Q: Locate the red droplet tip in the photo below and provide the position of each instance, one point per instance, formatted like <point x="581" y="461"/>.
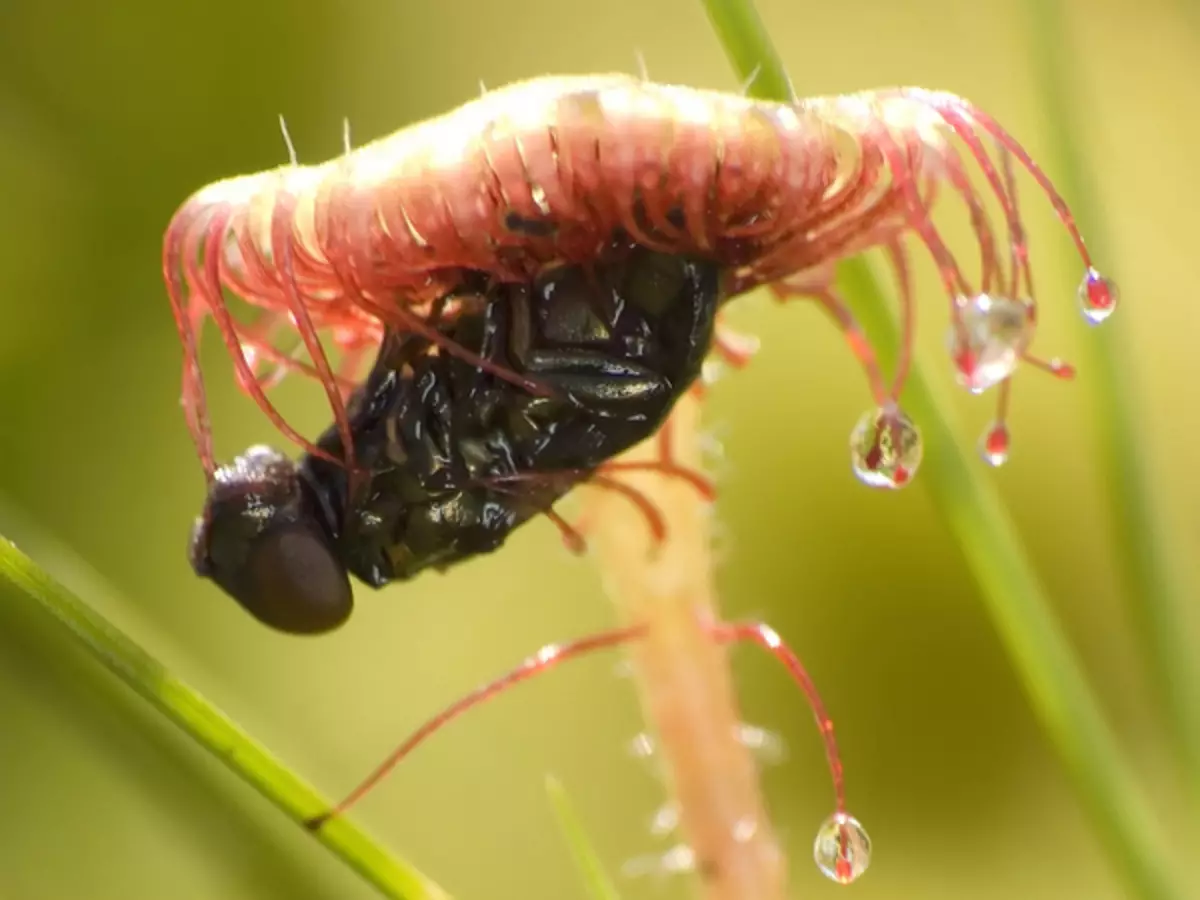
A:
<point x="1100" y="292"/>
<point x="1062" y="369"/>
<point x="1098" y="297"/>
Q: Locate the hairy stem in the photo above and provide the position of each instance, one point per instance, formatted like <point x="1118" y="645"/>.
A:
<point x="682" y="674"/>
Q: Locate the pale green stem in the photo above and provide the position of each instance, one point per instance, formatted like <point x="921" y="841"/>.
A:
<point x="1149" y="559"/>
<point x="587" y="860"/>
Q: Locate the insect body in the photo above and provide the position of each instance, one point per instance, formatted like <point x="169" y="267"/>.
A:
<point x="455" y="457"/>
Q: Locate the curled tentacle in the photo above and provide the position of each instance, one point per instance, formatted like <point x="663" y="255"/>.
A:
<point x="547" y="171"/>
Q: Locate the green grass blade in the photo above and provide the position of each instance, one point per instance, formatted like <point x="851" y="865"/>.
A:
<point x="1149" y="559"/>
<point x="22" y="580"/>
<point x="1016" y="601"/>
<point x="1014" y="597"/>
<point x="745" y="40"/>
<point x="599" y="885"/>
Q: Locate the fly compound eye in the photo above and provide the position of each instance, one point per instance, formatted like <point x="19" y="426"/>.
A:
<point x="290" y="580"/>
<point x="261" y="539"/>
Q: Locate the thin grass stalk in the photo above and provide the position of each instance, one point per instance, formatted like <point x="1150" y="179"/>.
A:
<point x="1148" y="558"/>
<point x="23" y="581"/>
<point x="1014" y="597"/>
<point x="1019" y="608"/>
<point x="587" y="860"/>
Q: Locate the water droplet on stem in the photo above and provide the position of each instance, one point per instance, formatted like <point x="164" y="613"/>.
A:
<point x="988" y="339"/>
<point x="842" y="849"/>
<point x="885" y="448"/>
<point x="1098" y="297"/>
<point x="994" y="445"/>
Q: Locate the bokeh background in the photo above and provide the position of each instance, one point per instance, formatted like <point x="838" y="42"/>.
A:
<point x="110" y="114"/>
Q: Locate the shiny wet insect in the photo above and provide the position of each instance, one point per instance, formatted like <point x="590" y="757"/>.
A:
<point x="430" y="248"/>
<point x="452" y="458"/>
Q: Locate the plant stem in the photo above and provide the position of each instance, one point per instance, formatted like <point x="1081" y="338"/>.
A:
<point x="1148" y="558"/>
<point x="1014" y="597"/>
<point x="745" y="40"/>
<point x="201" y="721"/>
<point x="682" y="674"/>
<point x="1021" y="613"/>
<point x="587" y="861"/>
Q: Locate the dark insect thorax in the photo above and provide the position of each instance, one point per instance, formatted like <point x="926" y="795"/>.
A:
<point x="457" y="457"/>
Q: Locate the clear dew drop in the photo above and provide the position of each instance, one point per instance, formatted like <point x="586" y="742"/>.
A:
<point x="711" y="371"/>
<point x="675" y="861"/>
<point x="987" y="342"/>
<point x="842" y="849"/>
<point x="885" y="448"/>
<point x="744" y="829"/>
<point x="1098" y="296"/>
<point x="680" y="858"/>
<point x="994" y="445"/>
<point x="665" y="820"/>
<point x="712" y="450"/>
<point x="642" y="746"/>
<point x="768" y="747"/>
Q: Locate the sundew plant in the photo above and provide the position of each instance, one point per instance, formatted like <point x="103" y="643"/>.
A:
<point x="996" y="616"/>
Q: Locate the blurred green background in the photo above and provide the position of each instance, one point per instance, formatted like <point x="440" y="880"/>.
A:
<point x="111" y="114"/>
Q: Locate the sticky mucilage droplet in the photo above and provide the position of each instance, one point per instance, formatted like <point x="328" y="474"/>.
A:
<point x="988" y="339"/>
<point x="885" y="448"/>
<point x="994" y="444"/>
<point x="842" y="849"/>
<point x="1098" y="297"/>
